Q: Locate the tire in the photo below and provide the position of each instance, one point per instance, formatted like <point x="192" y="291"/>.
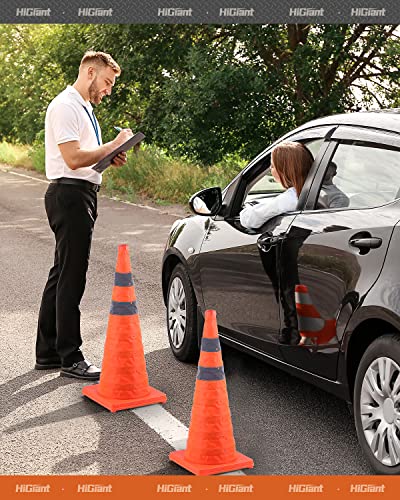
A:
<point x="182" y="306"/>
<point x="377" y="404"/>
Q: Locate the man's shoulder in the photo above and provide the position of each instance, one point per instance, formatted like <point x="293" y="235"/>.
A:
<point x="64" y="105"/>
<point x="64" y="98"/>
<point x="331" y="189"/>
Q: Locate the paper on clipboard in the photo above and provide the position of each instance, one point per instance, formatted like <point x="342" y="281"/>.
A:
<point x="126" y="146"/>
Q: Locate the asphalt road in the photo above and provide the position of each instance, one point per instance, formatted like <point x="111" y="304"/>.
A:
<point x="47" y="427"/>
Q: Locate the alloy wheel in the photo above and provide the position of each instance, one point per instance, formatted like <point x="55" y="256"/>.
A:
<point x="380" y="410"/>
<point x="177" y="313"/>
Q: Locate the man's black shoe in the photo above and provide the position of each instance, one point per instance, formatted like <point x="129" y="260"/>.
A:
<point x="47" y="363"/>
<point x="82" y="370"/>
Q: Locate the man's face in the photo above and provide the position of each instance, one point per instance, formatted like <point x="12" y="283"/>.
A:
<point x="101" y="84"/>
<point x="330" y="173"/>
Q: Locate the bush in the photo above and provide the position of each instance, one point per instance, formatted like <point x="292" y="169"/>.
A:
<point x="151" y="172"/>
<point x="15" y="154"/>
<point x="37" y="154"/>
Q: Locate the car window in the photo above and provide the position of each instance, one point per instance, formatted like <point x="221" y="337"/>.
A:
<point x="264" y="185"/>
<point x="360" y="176"/>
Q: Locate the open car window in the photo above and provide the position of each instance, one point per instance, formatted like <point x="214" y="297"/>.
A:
<point x="264" y="185"/>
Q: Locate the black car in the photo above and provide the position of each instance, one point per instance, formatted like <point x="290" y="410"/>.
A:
<point x="331" y="271"/>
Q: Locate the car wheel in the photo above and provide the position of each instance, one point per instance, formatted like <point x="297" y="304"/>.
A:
<point x="182" y="316"/>
<point x="377" y="404"/>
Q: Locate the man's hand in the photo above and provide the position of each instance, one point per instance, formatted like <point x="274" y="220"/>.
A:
<point x="119" y="160"/>
<point x="122" y="137"/>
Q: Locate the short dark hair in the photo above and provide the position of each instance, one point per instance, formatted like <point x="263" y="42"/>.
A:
<point x="102" y="59"/>
<point x="332" y="164"/>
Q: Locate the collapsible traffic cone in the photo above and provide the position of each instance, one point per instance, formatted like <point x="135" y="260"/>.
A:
<point x="311" y="326"/>
<point x="123" y="380"/>
<point x="211" y="446"/>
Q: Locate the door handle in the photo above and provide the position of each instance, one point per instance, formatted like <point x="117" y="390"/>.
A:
<point x="265" y="243"/>
<point x="366" y="243"/>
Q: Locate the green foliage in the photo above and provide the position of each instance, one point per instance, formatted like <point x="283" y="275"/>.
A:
<point x="15" y="154"/>
<point x="151" y="172"/>
<point x="37" y="154"/>
<point x="202" y="92"/>
<point x="37" y="65"/>
<point x="217" y="107"/>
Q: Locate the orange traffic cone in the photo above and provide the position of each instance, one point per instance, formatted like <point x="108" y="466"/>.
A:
<point x="211" y="447"/>
<point x="123" y="380"/>
<point x="311" y="326"/>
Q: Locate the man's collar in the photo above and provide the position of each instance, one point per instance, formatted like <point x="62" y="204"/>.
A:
<point x="82" y="101"/>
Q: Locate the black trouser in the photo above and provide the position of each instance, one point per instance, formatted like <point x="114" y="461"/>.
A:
<point x="71" y="211"/>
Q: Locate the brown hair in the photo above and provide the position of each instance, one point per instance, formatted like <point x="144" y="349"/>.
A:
<point x="292" y="161"/>
<point x="100" y="59"/>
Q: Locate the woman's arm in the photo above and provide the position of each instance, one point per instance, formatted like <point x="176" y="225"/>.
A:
<point x="255" y="215"/>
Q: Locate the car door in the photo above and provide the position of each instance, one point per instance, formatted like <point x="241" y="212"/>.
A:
<point x="238" y="278"/>
<point x="339" y="250"/>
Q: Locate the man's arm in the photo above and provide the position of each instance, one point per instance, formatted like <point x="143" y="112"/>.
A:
<point x="75" y="157"/>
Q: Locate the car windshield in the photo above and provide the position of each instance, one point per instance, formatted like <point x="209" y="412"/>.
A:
<point x="266" y="185"/>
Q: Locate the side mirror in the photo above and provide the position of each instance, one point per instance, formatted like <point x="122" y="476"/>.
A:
<point x="207" y="201"/>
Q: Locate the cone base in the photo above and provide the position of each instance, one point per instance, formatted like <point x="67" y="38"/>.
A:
<point x="240" y="462"/>
<point x="154" y="396"/>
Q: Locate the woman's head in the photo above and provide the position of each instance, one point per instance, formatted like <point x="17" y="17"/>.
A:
<point x="291" y="162"/>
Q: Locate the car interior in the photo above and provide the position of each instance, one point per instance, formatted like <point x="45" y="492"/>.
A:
<point x="264" y="185"/>
<point x="351" y="179"/>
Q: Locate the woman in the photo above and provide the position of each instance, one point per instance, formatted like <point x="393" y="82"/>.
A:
<point x="290" y="164"/>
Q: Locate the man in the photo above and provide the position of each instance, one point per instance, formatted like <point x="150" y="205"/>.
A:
<point x="73" y="144"/>
<point x="331" y="196"/>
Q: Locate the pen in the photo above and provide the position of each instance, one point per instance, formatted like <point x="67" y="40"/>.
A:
<point x="118" y="128"/>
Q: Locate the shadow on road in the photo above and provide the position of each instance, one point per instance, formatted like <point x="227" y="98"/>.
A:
<point x="287" y="426"/>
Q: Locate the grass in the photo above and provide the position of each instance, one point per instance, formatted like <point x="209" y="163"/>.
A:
<point x="16" y="155"/>
<point x="150" y="173"/>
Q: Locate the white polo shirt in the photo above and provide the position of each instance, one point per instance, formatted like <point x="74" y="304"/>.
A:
<point x="66" y="120"/>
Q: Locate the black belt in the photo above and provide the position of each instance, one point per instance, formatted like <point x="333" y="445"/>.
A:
<point x="78" y="182"/>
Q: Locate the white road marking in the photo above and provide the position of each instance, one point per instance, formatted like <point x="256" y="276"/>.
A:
<point x="114" y="198"/>
<point x="156" y="417"/>
<point x="165" y="424"/>
<point x="169" y="428"/>
<point x="26" y="176"/>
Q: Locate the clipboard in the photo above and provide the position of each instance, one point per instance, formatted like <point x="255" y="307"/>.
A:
<point x="126" y="146"/>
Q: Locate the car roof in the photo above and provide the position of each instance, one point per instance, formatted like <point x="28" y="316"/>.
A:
<point x="381" y="119"/>
<point x="385" y="119"/>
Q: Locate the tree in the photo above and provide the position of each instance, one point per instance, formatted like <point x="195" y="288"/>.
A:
<point x="36" y="61"/>
<point x="203" y="91"/>
<point x="244" y="86"/>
